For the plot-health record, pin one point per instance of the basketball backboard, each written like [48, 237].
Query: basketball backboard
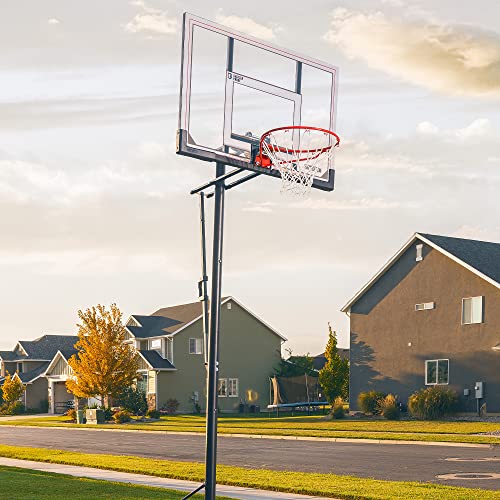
[235, 87]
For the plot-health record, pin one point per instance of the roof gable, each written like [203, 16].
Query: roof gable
[480, 257]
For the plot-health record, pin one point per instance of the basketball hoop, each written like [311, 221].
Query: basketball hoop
[300, 154]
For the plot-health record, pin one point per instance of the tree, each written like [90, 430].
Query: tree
[104, 364]
[12, 389]
[133, 400]
[295, 366]
[334, 376]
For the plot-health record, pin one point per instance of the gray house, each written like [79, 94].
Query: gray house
[29, 360]
[430, 316]
[170, 344]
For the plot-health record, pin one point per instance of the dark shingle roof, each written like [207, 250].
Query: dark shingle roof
[483, 256]
[156, 361]
[319, 361]
[11, 356]
[47, 346]
[27, 377]
[68, 352]
[167, 320]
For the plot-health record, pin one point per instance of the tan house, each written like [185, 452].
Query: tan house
[430, 316]
[29, 361]
[170, 343]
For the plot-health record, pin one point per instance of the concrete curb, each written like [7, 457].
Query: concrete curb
[284, 438]
[144, 480]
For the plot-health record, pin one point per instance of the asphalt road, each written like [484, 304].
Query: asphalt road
[380, 461]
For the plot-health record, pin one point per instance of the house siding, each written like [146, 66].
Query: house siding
[383, 325]
[248, 351]
[36, 393]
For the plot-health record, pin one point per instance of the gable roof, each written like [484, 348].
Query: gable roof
[155, 360]
[10, 356]
[32, 375]
[480, 257]
[45, 347]
[171, 320]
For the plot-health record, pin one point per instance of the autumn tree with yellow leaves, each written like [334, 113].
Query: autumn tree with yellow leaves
[104, 365]
[12, 389]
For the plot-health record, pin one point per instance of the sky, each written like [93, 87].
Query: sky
[95, 204]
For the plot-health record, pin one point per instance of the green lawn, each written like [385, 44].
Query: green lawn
[25, 484]
[326, 485]
[315, 426]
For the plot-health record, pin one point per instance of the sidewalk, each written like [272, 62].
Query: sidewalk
[143, 480]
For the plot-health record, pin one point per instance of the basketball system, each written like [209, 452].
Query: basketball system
[273, 114]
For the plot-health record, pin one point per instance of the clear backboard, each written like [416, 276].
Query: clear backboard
[235, 87]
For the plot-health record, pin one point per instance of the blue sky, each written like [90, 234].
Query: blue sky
[94, 203]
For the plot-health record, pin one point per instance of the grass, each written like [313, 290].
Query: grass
[315, 426]
[23, 484]
[327, 485]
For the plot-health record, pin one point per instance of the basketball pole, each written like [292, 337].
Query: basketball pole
[213, 339]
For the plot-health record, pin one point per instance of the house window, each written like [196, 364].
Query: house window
[222, 391]
[472, 310]
[195, 346]
[156, 344]
[437, 372]
[232, 387]
[424, 306]
[170, 352]
[20, 367]
[142, 383]
[419, 255]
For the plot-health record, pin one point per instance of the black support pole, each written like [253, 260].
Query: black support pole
[203, 283]
[213, 340]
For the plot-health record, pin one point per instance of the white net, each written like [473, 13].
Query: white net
[300, 154]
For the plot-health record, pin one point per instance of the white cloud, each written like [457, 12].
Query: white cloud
[54, 21]
[151, 21]
[478, 129]
[446, 58]
[248, 25]
[353, 204]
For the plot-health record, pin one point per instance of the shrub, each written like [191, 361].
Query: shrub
[337, 410]
[108, 414]
[433, 402]
[153, 414]
[122, 416]
[171, 406]
[13, 408]
[133, 400]
[389, 408]
[71, 414]
[369, 402]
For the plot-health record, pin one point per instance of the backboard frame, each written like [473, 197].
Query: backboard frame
[243, 147]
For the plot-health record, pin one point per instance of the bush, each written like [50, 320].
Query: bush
[153, 414]
[171, 406]
[13, 408]
[122, 416]
[433, 403]
[369, 402]
[71, 414]
[108, 414]
[133, 400]
[337, 410]
[389, 408]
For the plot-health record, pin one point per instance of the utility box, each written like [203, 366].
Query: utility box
[479, 388]
[95, 416]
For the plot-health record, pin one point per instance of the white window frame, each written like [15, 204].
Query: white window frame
[472, 318]
[437, 371]
[198, 346]
[230, 392]
[222, 384]
[152, 342]
[424, 306]
[419, 253]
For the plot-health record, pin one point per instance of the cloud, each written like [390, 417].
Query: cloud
[353, 204]
[54, 21]
[450, 59]
[151, 21]
[477, 130]
[248, 25]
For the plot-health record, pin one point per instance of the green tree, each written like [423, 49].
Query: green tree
[296, 365]
[334, 376]
[104, 365]
[12, 389]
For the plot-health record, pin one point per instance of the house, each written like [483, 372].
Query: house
[430, 316]
[29, 361]
[170, 345]
[319, 361]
